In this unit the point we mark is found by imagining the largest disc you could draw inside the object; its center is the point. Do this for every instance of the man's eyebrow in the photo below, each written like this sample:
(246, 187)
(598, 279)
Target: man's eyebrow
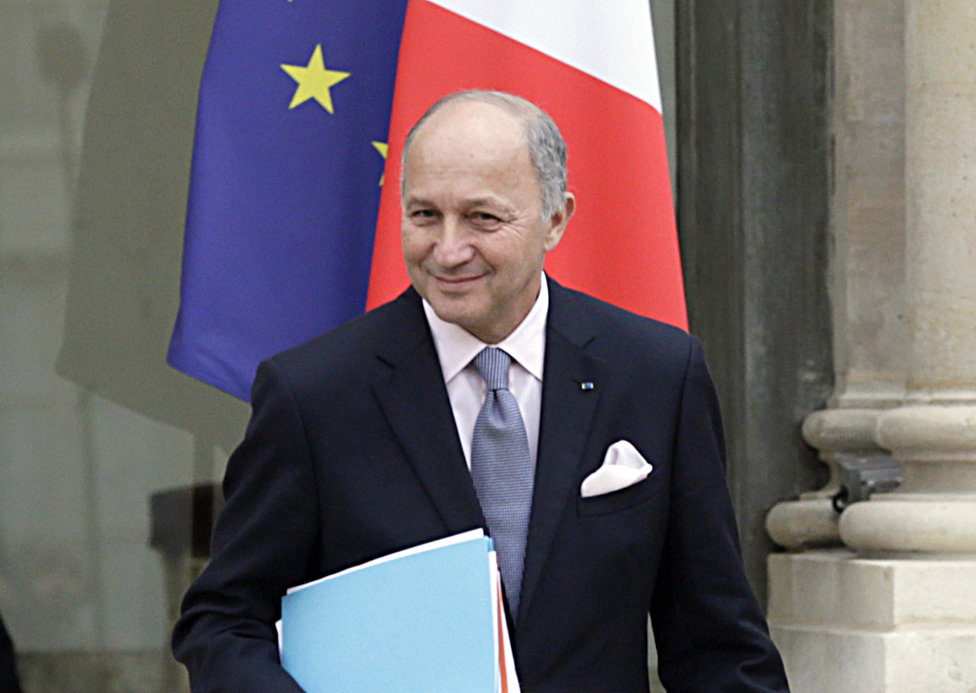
(487, 200)
(492, 202)
(482, 201)
(416, 200)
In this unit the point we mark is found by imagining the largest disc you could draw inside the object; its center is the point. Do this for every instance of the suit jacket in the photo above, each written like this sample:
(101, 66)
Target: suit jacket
(352, 453)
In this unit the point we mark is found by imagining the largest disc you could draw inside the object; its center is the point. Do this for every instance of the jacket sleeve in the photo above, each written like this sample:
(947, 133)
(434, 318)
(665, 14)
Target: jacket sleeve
(263, 543)
(710, 632)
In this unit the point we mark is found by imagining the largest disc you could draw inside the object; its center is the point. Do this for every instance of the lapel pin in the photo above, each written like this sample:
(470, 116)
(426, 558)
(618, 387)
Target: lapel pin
(586, 386)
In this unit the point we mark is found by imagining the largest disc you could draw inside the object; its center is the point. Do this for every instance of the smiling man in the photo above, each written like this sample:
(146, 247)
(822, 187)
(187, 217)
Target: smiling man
(476, 229)
(585, 439)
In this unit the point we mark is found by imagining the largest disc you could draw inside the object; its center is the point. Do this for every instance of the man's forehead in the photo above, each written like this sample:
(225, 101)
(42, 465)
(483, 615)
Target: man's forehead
(472, 120)
(469, 149)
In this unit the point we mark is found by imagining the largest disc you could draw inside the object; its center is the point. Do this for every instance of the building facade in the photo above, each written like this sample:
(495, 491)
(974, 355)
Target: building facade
(824, 164)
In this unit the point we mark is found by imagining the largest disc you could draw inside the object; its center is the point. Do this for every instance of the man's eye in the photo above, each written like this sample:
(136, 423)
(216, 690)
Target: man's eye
(422, 215)
(485, 219)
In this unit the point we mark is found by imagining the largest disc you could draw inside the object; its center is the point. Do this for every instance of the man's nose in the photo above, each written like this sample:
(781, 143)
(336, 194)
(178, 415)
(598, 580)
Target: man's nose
(453, 248)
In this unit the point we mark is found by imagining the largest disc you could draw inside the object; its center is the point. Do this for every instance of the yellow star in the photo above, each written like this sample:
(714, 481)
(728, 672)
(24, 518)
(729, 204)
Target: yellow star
(314, 81)
(382, 148)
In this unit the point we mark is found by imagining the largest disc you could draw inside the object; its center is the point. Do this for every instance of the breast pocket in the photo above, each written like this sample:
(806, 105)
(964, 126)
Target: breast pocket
(624, 499)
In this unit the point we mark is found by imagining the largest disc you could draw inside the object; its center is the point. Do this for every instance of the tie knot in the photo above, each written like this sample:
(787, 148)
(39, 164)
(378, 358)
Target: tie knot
(493, 365)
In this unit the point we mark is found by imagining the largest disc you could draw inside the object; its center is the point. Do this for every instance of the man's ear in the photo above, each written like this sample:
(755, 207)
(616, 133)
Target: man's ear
(558, 221)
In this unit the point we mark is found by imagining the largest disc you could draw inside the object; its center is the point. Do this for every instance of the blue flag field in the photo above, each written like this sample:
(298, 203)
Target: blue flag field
(289, 154)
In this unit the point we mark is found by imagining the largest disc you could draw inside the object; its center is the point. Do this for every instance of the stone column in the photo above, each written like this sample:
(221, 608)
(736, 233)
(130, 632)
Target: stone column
(934, 434)
(866, 282)
(895, 611)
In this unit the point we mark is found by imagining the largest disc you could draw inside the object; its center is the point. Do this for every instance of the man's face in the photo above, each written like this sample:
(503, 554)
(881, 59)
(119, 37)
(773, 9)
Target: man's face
(473, 235)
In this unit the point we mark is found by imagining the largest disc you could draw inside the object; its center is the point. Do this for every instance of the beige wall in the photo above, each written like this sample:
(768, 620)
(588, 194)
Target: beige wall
(76, 572)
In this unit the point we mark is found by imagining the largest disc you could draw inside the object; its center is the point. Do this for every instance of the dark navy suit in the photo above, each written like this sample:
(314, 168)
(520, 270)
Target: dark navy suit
(352, 453)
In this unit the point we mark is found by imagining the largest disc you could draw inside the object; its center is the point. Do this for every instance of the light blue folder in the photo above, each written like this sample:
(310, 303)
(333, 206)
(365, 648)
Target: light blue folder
(417, 623)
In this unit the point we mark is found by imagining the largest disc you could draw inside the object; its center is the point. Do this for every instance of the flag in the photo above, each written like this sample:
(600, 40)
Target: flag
(127, 224)
(285, 241)
(291, 133)
(591, 66)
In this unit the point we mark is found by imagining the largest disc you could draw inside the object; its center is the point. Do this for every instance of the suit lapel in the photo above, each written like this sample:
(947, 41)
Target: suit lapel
(567, 410)
(414, 399)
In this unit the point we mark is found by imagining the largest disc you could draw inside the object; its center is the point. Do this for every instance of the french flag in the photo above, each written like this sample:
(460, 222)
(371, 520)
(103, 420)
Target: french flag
(288, 232)
(591, 66)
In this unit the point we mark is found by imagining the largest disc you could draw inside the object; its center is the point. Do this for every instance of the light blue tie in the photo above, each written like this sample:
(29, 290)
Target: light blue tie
(502, 469)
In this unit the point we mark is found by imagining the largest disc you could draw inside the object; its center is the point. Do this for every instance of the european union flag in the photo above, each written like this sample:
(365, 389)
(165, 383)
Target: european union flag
(290, 147)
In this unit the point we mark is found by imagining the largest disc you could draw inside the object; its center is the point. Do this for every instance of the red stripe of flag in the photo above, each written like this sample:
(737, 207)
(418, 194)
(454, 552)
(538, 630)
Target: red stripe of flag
(622, 244)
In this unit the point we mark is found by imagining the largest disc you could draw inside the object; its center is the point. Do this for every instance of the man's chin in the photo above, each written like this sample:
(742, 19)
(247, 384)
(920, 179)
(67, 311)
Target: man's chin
(459, 311)
(448, 311)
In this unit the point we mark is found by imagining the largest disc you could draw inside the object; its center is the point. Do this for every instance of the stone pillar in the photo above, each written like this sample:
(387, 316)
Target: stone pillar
(866, 274)
(895, 611)
(934, 434)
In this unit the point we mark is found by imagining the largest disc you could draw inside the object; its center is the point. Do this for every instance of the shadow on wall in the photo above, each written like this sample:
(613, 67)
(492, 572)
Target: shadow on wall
(129, 212)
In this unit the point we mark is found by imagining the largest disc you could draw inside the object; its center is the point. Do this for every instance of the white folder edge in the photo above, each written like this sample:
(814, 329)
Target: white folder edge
(511, 677)
(496, 617)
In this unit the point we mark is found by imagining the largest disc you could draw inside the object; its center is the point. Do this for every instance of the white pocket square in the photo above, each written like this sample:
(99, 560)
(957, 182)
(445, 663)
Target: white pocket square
(623, 466)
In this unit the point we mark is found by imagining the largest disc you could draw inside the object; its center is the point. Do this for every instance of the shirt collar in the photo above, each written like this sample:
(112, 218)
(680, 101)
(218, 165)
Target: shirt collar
(527, 343)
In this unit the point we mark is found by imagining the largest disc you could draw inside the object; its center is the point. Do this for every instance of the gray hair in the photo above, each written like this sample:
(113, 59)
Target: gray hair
(547, 149)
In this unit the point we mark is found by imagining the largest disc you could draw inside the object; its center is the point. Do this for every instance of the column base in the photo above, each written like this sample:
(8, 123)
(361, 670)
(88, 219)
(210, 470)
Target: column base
(869, 625)
(808, 522)
(824, 660)
(938, 524)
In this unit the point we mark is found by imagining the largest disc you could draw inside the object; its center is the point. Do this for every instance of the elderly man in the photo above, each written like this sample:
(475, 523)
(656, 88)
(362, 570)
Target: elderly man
(585, 439)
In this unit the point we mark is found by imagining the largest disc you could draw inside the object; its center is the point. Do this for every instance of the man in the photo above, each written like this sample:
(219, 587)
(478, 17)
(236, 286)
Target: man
(396, 429)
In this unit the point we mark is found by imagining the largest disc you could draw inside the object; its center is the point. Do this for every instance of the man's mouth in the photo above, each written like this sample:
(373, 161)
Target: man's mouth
(456, 283)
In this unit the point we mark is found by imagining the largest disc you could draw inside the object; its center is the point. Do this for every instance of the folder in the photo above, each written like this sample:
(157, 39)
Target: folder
(428, 619)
